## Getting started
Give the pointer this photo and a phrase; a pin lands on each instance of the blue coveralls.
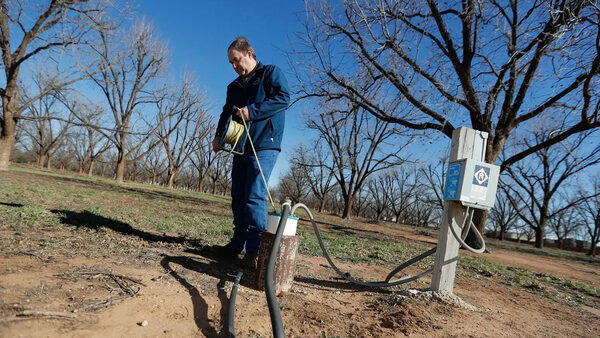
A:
(265, 92)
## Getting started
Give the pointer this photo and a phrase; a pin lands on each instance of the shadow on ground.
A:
(223, 270)
(92, 221)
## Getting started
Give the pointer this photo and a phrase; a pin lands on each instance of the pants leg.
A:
(257, 202)
(238, 202)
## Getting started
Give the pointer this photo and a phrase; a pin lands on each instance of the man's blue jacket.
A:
(265, 92)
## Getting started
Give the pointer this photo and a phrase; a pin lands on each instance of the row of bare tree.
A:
(97, 89)
(503, 67)
(556, 191)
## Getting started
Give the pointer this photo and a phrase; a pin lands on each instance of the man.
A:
(259, 95)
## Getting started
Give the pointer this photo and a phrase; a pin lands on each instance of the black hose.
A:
(231, 309)
(276, 322)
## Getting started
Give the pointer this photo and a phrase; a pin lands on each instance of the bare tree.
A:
(589, 211)
(380, 201)
(319, 174)
(356, 143)
(504, 214)
(127, 67)
(203, 158)
(29, 30)
(534, 184)
(218, 174)
(564, 224)
(436, 178)
(294, 184)
(427, 65)
(185, 122)
(401, 188)
(154, 163)
(45, 134)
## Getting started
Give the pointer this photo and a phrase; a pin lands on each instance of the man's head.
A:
(241, 56)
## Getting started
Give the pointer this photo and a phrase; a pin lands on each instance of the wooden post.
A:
(466, 143)
(285, 266)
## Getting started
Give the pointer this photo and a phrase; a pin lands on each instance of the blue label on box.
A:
(452, 182)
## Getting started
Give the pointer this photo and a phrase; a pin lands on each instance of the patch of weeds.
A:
(352, 248)
(572, 285)
(469, 264)
(30, 215)
(423, 232)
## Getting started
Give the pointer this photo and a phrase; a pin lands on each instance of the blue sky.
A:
(199, 33)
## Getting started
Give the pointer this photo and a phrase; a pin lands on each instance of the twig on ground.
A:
(156, 279)
(30, 314)
(98, 274)
(104, 303)
(27, 253)
(111, 275)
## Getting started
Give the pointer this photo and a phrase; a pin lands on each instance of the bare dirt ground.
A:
(60, 291)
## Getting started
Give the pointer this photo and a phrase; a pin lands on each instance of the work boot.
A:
(250, 259)
(225, 252)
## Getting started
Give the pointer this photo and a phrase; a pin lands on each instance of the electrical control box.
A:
(472, 183)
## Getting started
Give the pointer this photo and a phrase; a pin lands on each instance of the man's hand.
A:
(215, 145)
(243, 113)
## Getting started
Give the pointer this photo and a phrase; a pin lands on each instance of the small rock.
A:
(144, 323)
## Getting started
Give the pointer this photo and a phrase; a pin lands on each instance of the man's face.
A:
(242, 63)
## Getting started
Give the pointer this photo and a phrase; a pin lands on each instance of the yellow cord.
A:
(258, 162)
(234, 135)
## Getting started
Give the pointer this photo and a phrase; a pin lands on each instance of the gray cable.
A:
(276, 322)
(349, 278)
(471, 226)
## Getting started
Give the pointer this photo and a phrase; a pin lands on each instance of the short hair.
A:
(241, 44)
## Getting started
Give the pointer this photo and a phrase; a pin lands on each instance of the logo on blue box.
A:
(481, 176)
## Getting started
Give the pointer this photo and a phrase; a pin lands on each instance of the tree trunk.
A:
(39, 160)
(348, 207)
(10, 101)
(539, 236)
(121, 156)
(594, 244)
(120, 170)
(172, 175)
(214, 187)
(502, 233)
(91, 169)
(322, 204)
(7, 141)
(200, 184)
(48, 162)
(479, 218)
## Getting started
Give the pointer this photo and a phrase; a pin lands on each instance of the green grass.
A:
(352, 248)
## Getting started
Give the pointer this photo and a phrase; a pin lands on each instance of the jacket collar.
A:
(239, 79)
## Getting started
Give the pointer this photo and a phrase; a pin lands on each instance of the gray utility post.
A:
(466, 143)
